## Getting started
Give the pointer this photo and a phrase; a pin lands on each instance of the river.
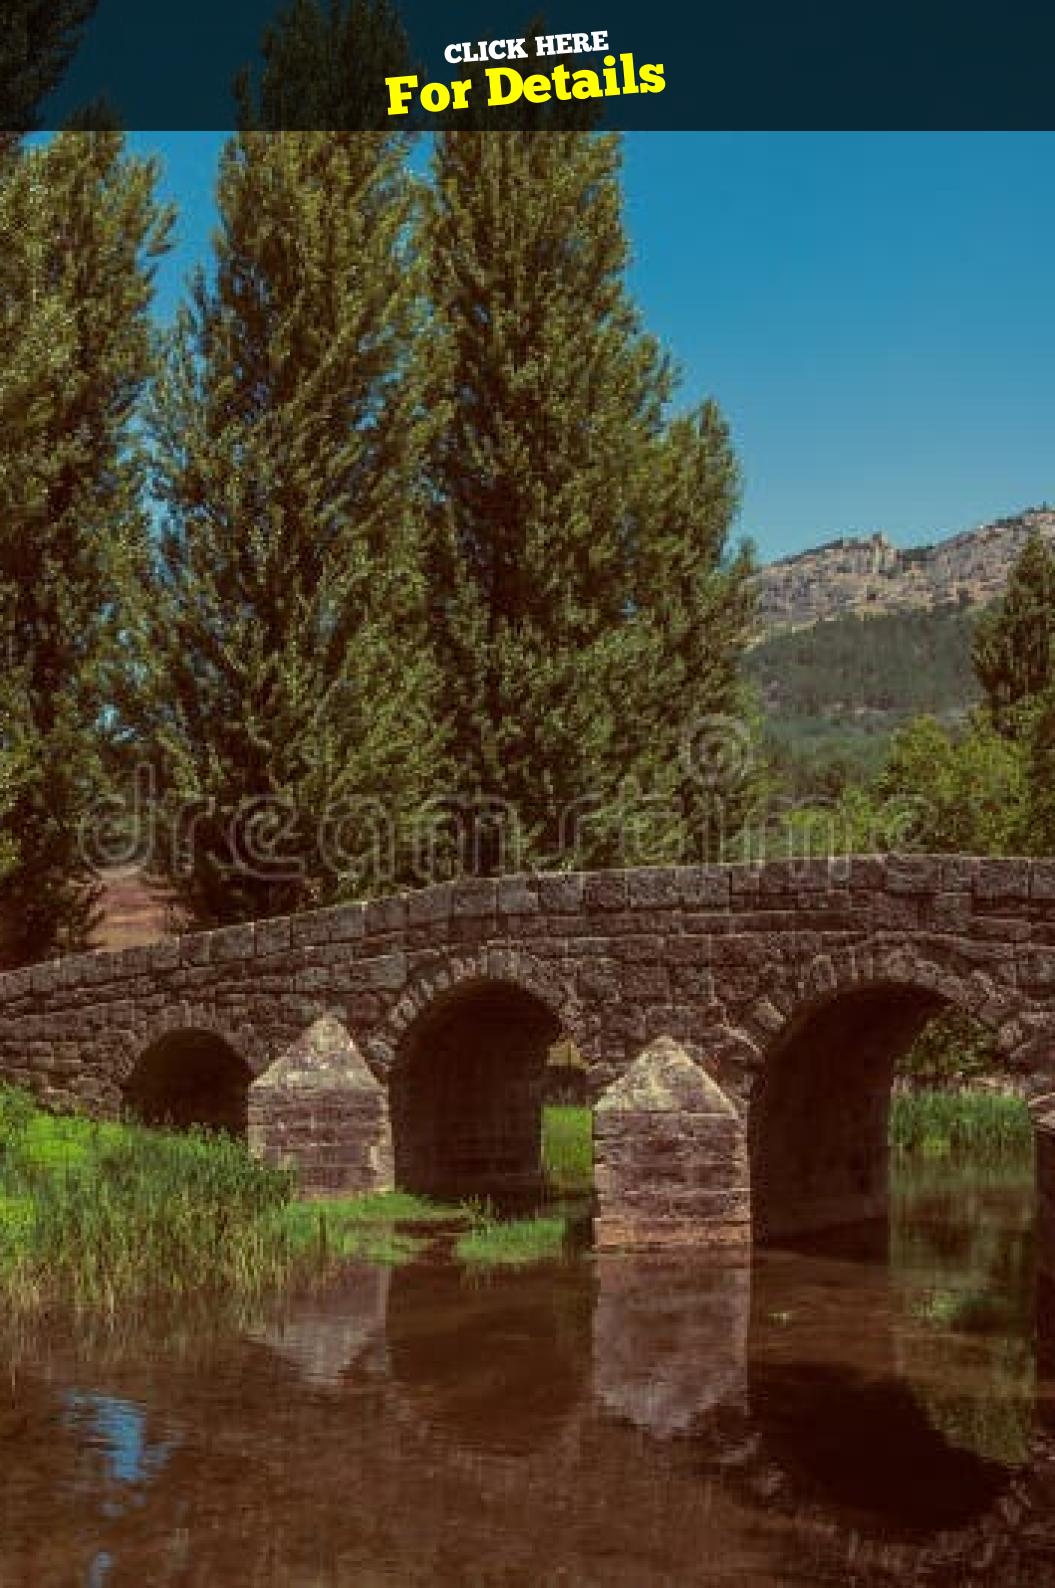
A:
(868, 1410)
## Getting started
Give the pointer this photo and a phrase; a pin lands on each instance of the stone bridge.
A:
(738, 1025)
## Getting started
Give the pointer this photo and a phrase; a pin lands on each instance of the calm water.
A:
(866, 1412)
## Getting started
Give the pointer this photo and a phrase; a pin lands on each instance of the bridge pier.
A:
(319, 1111)
(670, 1158)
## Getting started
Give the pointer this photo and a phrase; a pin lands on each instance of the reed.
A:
(567, 1150)
(989, 1127)
(104, 1216)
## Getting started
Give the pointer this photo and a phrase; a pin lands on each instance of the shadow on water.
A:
(892, 1375)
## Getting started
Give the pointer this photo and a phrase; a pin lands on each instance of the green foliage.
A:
(687, 732)
(98, 1217)
(1013, 643)
(325, 65)
(395, 1207)
(854, 822)
(833, 693)
(986, 1126)
(812, 758)
(584, 610)
(1038, 731)
(964, 793)
(82, 228)
(567, 1150)
(952, 1047)
(282, 676)
(512, 1243)
(320, 1236)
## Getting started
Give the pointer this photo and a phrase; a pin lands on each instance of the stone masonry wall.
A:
(724, 960)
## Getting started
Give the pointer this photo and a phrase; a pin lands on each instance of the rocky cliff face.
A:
(870, 575)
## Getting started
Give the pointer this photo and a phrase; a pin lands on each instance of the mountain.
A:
(858, 636)
(870, 575)
(834, 691)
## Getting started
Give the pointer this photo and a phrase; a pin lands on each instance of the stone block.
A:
(605, 891)
(913, 874)
(431, 906)
(1002, 879)
(231, 943)
(562, 894)
(378, 915)
(386, 973)
(868, 872)
(517, 896)
(654, 888)
(958, 873)
(475, 897)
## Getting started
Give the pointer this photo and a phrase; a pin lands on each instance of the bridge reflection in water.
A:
(831, 1410)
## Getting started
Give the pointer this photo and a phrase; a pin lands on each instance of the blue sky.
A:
(873, 311)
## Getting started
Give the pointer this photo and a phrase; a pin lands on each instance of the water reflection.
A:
(670, 1342)
(328, 1337)
(119, 1458)
(827, 1417)
(497, 1363)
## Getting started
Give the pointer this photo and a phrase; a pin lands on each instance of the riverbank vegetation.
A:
(101, 1216)
(512, 1243)
(567, 1150)
(988, 1127)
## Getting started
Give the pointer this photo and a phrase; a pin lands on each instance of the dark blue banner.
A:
(661, 66)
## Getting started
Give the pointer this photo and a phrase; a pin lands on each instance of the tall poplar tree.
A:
(1014, 643)
(325, 65)
(37, 41)
(281, 655)
(81, 227)
(583, 603)
(690, 731)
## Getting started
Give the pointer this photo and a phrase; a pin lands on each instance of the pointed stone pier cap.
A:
(663, 1079)
(323, 1058)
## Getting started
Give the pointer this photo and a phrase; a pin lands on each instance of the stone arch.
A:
(153, 1027)
(469, 1045)
(188, 1074)
(438, 983)
(804, 988)
(830, 1035)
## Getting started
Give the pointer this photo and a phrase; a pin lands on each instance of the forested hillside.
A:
(832, 693)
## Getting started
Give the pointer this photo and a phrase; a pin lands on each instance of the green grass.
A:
(567, 1150)
(985, 1126)
(512, 1243)
(101, 1217)
(104, 1217)
(395, 1207)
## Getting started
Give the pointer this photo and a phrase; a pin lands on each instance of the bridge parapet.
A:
(730, 962)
